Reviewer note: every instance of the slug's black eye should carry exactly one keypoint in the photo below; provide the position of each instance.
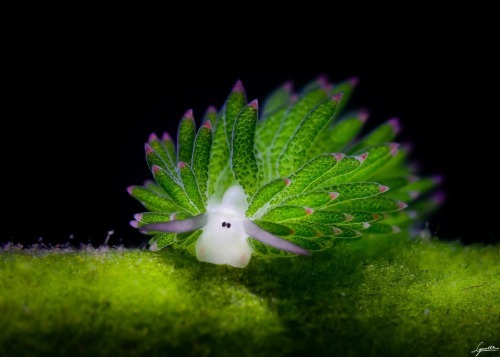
(223, 224)
(229, 225)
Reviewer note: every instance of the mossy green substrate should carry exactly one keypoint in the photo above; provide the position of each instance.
(387, 297)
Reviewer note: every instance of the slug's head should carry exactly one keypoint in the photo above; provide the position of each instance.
(224, 240)
(225, 231)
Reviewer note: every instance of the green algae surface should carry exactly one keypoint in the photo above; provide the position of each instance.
(386, 297)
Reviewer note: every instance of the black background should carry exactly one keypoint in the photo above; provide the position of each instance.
(79, 115)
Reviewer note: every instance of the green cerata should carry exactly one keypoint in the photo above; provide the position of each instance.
(281, 179)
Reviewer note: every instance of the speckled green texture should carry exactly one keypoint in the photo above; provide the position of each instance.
(185, 240)
(162, 154)
(169, 147)
(382, 134)
(292, 120)
(352, 191)
(337, 137)
(296, 151)
(210, 115)
(378, 157)
(151, 217)
(386, 297)
(340, 173)
(191, 186)
(277, 100)
(326, 217)
(372, 204)
(264, 135)
(285, 213)
(311, 199)
(306, 176)
(265, 194)
(185, 138)
(173, 189)
(220, 176)
(243, 161)
(346, 88)
(201, 156)
(164, 239)
(153, 157)
(275, 228)
(152, 200)
(274, 109)
(219, 156)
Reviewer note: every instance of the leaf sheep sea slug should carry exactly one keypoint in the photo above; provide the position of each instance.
(280, 179)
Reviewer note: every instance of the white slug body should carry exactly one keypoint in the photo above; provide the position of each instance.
(224, 240)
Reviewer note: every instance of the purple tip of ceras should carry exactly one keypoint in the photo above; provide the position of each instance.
(338, 156)
(188, 114)
(181, 165)
(327, 87)
(439, 197)
(238, 86)
(395, 229)
(287, 86)
(173, 216)
(401, 204)
(412, 214)
(155, 168)
(414, 166)
(407, 146)
(333, 195)
(361, 158)
(322, 80)
(396, 126)
(309, 211)
(148, 149)
(254, 104)
(414, 194)
(138, 216)
(337, 97)
(152, 137)
(207, 124)
(437, 179)
(336, 230)
(353, 81)
(130, 189)
(363, 115)
(134, 224)
(166, 137)
(383, 188)
(211, 109)
(412, 178)
(394, 148)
